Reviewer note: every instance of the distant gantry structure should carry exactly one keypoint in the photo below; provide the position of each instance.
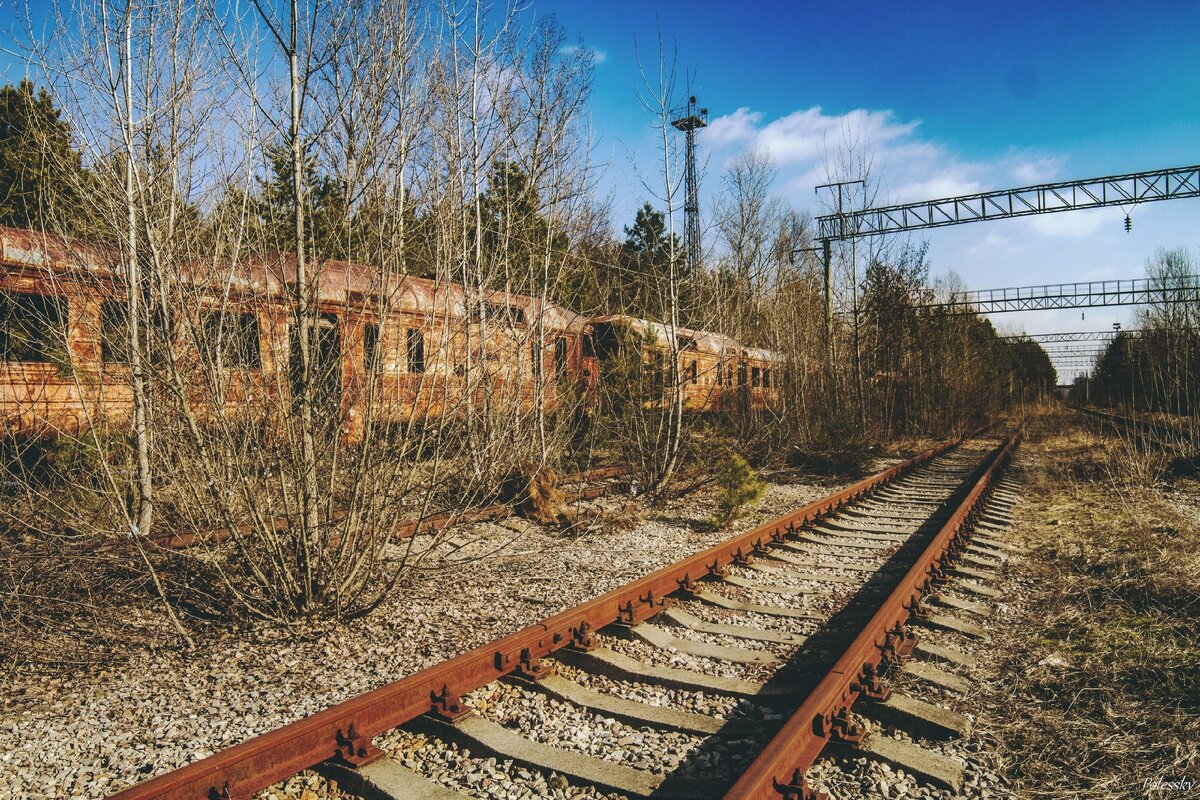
(1090, 294)
(1124, 191)
(1069, 336)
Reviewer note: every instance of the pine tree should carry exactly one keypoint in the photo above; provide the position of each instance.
(646, 261)
(516, 236)
(325, 199)
(43, 182)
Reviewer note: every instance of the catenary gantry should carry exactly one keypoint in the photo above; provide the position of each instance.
(1113, 190)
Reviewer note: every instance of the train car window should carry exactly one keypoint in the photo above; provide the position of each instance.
(535, 357)
(766, 379)
(720, 374)
(589, 346)
(371, 363)
(560, 358)
(114, 332)
(693, 372)
(741, 374)
(415, 349)
(658, 371)
(606, 339)
(162, 333)
(237, 335)
(33, 328)
(755, 376)
(500, 313)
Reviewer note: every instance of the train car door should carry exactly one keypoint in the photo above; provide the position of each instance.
(325, 352)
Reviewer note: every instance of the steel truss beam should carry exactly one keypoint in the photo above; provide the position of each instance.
(1093, 294)
(1071, 336)
(1046, 198)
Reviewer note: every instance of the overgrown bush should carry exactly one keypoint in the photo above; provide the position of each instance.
(739, 486)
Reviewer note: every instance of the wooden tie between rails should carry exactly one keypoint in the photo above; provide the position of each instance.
(806, 552)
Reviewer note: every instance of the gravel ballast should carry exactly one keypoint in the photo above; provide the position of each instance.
(99, 731)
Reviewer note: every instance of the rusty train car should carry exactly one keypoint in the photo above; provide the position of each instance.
(717, 372)
(396, 346)
(387, 347)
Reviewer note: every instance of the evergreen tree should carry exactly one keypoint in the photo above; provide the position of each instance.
(517, 238)
(646, 263)
(43, 182)
(326, 219)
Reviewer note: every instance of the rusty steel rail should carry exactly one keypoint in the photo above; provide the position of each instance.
(1161, 435)
(779, 769)
(344, 731)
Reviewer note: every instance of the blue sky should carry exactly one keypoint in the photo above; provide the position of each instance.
(952, 97)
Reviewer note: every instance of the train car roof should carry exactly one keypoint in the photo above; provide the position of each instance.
(271, 274)
(703, 341)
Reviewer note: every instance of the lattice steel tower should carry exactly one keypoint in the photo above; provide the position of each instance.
(692, 121)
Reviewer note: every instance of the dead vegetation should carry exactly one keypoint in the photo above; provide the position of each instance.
(1100, 677)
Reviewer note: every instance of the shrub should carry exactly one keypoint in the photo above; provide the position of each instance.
(738, 486)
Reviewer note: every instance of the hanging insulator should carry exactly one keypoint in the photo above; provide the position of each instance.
(1128, 224)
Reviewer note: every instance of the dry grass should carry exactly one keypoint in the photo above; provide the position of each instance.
(1099, 685)
(533, 492)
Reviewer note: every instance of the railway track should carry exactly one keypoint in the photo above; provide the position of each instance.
(1159, 435)
(725, 674)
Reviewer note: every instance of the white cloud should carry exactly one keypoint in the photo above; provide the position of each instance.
(1073, 224)
(995, 239)
(739, 128)
(1032, 169)
(803, 141)
(992, 243)
(910, 167)
(598, 56)
(950, 182)
(806, 135)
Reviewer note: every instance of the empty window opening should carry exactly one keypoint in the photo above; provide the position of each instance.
(658, 371)
(535, 358)
(415, 349)
(232, 339)
(114, 332)
(371, 363)
(33, 328)
(561, 361)
(511, 315)
(693, 372)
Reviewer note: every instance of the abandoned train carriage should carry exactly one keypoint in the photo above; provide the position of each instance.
(716, 372)
(387, 346)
